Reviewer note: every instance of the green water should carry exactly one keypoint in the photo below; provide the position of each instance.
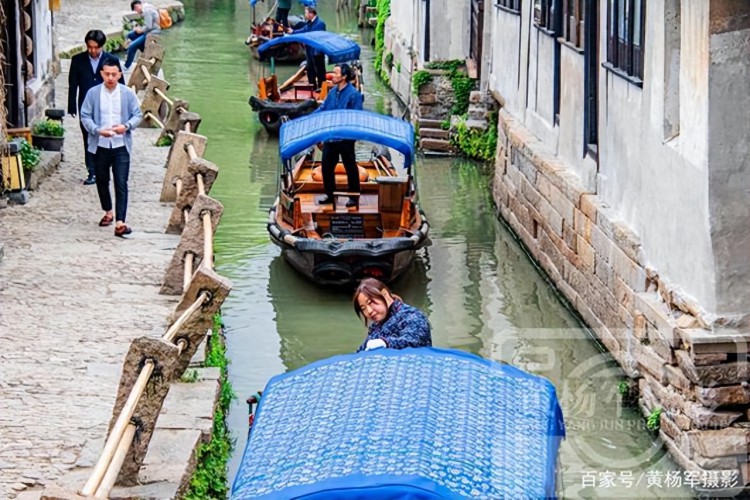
(480, 291)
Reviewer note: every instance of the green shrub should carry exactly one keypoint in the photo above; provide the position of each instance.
(210, 477)
(462, 86)
(389, 60)
(419, 79)
(114, 44)
(384, 10)
(30, 156)
(164, 141)
(653, 422)
(49, 128)
(474, 143)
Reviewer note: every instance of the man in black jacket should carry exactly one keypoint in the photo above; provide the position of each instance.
(85, 72)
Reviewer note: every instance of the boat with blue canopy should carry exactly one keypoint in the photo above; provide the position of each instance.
(336, 244)
(337, 48)
(269, 29)
(296, 96)
(421, 424)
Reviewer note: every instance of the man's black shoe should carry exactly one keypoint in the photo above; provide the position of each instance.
(89, 181)
(351, 203)
(328, 200)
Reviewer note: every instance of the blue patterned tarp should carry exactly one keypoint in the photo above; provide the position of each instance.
(417, 423)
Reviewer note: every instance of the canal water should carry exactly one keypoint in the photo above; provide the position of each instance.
(481, 292)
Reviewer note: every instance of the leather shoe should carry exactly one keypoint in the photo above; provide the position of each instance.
(89, 181)
(351, 203)
(325, 201)
(122, 231)
(106, 221)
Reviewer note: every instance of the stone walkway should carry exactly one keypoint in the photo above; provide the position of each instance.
(72, 297)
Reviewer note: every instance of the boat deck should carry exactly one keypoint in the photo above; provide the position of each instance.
(368, 204)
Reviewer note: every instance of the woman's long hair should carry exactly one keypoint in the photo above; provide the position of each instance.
(373, 289)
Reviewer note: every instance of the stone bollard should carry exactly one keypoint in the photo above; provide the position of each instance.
(178, 161)
(165, 356)
(192, 241)
(189, 192)
(179, 116)
(194, 330)
(153, 105)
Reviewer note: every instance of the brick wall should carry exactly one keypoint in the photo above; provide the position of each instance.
(683, 361)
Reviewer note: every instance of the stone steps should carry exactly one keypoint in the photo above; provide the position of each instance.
(435, 133)
(429, 123)
(430, 145)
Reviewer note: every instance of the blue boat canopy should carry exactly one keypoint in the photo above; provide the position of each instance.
(416, 423)
(336, 47)
(301, 133)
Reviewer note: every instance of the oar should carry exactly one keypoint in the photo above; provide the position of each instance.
(293, 79)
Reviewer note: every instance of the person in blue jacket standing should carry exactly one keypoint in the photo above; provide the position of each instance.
(316, 61)
(343, 95)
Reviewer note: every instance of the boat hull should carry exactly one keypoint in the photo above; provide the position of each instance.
(271, 113)
(344, 263)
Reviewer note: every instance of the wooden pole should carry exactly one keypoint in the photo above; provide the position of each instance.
(117, 460)
(164, 96)
(188, 273)
(172, 331)
(118, 429)
(191, 151)
(201, 186)
(208, 243)
(150, 116)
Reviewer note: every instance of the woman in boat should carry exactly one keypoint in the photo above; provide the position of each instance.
(393, 323)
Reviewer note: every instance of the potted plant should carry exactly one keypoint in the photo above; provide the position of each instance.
(48, 134)
(30, 158)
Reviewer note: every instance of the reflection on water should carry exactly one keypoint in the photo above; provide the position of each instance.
(478, 288)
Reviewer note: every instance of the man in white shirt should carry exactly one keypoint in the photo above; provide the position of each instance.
(109, 113)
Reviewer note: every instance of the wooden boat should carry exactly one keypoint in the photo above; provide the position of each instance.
(421, 423)
(296, 96)
(290, 53)
(333, 244)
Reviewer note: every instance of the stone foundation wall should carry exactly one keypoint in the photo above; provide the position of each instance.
(436, 98)
(683, 362)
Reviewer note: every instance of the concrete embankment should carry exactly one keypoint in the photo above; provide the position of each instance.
(73, 297)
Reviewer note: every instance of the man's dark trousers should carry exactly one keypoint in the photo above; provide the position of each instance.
(316, 70)
(90, 164)
(119, 160)
(331, 152)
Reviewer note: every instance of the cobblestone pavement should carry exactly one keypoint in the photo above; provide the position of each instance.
(72, 297)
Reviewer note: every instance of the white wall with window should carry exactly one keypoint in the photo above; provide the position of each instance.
(42, 54)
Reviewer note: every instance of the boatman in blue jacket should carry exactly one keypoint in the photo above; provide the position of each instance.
(316, 61)
(343, 95)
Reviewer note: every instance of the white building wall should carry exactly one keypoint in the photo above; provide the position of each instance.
(661, 189)
(43, 49)
(505, 78)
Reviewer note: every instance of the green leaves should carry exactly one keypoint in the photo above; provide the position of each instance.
(210, 478)
(30, 156)
(653, 422)
(50, 128)
(475, 143)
